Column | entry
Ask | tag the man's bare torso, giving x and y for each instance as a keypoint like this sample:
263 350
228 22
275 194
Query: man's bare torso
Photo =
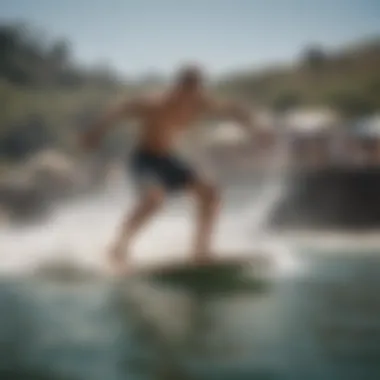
164 118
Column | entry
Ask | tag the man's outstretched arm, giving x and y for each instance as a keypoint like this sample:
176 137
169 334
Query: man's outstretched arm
232 111
92 138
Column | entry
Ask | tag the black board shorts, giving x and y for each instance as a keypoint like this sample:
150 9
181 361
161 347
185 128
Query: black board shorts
167 171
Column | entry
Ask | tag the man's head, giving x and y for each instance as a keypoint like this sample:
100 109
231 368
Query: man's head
190 78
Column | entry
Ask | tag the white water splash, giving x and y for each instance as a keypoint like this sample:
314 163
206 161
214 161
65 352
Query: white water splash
275 185
81 232
259 211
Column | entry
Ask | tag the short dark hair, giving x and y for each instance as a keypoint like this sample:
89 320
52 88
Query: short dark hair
190 74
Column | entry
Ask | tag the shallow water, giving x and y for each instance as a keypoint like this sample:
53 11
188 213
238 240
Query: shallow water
321 324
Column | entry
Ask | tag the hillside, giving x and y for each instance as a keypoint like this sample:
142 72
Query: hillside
348 80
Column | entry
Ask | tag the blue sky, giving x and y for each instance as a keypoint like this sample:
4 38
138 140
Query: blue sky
137 36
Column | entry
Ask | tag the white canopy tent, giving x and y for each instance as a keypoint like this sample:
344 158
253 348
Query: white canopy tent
310 121
366 127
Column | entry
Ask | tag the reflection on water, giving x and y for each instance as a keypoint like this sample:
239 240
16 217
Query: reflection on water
321 325
338 314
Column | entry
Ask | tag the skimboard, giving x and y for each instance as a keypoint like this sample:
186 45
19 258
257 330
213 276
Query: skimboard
217 274
233 261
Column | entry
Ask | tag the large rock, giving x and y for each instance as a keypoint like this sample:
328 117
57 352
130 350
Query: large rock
28 191
53 172
21 201
338 198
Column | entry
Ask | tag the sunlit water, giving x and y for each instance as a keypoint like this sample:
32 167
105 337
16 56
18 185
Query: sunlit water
319 325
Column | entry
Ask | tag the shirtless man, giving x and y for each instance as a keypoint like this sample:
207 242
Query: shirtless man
157 170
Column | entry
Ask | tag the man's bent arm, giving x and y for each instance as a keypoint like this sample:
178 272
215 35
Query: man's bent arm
233 111
110 118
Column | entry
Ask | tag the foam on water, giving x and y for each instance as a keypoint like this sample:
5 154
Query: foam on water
81 232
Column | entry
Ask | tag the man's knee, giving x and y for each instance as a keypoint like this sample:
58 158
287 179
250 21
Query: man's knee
153 199
209 193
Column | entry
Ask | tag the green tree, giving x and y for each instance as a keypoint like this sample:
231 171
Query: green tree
286 100
314 57
351 104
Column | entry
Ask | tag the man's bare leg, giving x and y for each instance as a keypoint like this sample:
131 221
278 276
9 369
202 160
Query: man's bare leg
146 208
208 201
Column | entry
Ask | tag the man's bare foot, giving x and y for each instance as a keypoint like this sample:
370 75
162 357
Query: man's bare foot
119 271
116 261
202 257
